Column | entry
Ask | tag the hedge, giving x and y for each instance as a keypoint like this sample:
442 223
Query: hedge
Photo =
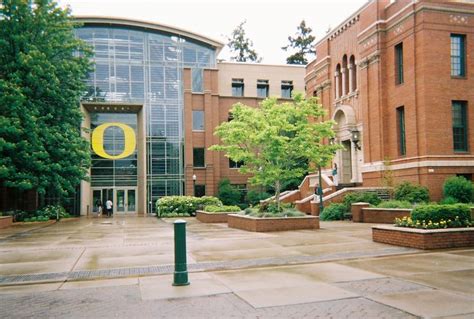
221 209
436 213
169 206
334 212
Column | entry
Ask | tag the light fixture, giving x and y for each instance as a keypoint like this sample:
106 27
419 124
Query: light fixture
194 177
332 141
355 137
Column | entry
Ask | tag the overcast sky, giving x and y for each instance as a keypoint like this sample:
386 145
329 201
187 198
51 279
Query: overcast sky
269 22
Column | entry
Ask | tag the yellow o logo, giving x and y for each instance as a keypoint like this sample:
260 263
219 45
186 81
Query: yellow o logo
98 140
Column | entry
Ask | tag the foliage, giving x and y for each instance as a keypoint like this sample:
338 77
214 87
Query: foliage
275 142
334 212
221 209
228 194
47 213
242 46
395 204
254 197
356 197
42 71
443 223
53 211
173 206
388 180
288 211
302 42
449 201
436 213
459 188
412 193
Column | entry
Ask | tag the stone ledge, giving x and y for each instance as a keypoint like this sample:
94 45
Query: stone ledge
207 217
257 224
6 221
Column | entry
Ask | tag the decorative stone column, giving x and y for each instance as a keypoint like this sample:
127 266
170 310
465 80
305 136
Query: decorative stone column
351 78
357 212
344 75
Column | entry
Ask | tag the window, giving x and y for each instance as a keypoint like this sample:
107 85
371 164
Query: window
458 55
233 164
197 80
262 88
198 157
399 63
198 120
237 87
199 190
401 130
286 89
460 126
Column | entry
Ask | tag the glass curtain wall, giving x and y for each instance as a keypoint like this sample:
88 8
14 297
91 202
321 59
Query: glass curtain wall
146 67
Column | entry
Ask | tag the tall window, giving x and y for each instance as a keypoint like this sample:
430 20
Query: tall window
198 157
460 126
399 63
198 120
286 89
199 190
233 164
197 80
237 87
262 88
402 149
458 55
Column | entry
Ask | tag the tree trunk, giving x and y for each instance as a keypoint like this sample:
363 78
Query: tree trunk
277 194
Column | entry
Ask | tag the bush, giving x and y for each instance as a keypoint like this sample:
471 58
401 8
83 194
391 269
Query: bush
459 188
228 194
334 212
395 204
449 201
52 212
436 213
221 209
254 197
174 206
412 193
366 197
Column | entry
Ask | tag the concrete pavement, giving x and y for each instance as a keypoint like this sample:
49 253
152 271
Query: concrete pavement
336 271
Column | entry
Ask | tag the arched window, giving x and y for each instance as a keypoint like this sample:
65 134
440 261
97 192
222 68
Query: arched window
345 76
338 82
353 73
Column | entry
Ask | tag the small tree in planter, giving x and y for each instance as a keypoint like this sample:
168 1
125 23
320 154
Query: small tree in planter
275 142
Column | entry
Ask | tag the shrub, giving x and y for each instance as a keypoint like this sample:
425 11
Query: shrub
228 194
221 209
367 197
395 204
334 212
52 212
412 193
449 201
171 206
254 197
408 222
436 213
459 188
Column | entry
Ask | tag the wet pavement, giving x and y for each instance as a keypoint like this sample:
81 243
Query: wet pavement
121 267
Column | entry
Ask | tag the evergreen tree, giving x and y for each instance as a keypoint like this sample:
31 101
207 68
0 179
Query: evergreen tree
242 46
302 42
42 71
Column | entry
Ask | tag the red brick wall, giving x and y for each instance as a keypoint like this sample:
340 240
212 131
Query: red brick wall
204 217
272 224
5 221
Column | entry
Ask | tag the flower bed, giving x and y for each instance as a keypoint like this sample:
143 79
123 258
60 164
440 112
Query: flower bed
423 238
210 217
268 224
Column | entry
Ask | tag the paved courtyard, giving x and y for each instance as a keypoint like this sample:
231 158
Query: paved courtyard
122 267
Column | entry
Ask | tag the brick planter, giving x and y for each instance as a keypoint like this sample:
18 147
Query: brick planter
424 239
257 224
6 221
206 217
362 213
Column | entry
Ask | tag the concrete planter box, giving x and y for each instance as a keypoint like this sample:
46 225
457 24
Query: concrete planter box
362 213
257 224
6 221
424 238
206 217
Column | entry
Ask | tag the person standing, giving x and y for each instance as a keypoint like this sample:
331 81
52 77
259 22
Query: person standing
334 175
109 205
99 205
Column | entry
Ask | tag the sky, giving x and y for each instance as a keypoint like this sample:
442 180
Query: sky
269 22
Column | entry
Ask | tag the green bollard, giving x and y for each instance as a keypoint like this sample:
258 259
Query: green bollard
180 265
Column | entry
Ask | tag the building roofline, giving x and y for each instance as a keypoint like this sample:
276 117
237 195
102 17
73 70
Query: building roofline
261 64
108 20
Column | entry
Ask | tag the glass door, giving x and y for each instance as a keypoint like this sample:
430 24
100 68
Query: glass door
131 200
121 203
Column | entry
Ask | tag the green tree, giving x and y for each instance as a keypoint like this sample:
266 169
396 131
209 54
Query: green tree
302 43
242 46
42 71
228 194
272 140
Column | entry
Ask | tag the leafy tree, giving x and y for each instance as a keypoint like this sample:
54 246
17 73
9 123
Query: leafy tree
272 140
228 194
242 46
302 42
42 71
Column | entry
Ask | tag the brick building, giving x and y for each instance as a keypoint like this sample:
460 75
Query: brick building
397 77
155 97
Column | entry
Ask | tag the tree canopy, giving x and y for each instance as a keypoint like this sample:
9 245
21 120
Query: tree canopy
42 71
276 142
241 46
302 42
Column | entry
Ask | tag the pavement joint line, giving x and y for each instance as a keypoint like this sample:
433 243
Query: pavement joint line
77 275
